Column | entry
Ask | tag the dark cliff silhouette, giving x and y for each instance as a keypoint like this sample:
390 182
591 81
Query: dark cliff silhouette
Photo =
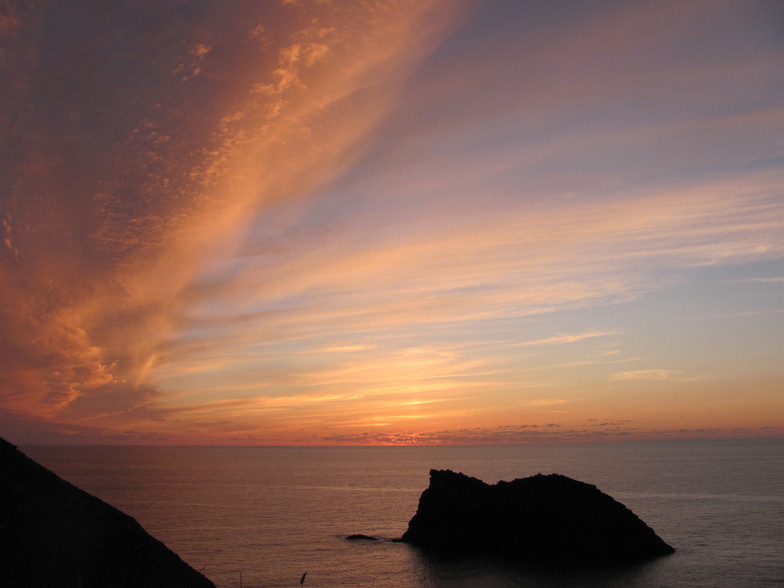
55 535
544 518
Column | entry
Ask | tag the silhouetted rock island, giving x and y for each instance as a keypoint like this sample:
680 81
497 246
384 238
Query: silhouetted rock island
55 535
544 518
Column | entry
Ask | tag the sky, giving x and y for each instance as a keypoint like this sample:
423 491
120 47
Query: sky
391 222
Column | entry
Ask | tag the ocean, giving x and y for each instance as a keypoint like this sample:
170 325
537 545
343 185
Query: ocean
263 516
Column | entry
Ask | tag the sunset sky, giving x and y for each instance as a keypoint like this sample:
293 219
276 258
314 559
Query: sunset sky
372 222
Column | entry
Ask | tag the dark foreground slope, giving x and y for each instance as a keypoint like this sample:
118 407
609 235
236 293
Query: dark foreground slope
549 519
54 535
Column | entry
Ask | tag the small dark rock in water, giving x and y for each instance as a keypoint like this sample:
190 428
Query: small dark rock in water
544 518
361 537
55 535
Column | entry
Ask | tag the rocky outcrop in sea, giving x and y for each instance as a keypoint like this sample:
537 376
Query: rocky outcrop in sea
543 518
54 535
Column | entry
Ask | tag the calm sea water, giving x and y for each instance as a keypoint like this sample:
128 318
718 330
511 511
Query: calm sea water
262 516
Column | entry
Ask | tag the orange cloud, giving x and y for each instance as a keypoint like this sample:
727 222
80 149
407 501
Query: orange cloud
562 339
277 217
122 187
655 375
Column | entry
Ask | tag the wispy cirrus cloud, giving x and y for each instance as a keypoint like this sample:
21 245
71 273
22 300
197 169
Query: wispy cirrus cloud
138 153
245 220
772 280
565 338
656 375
